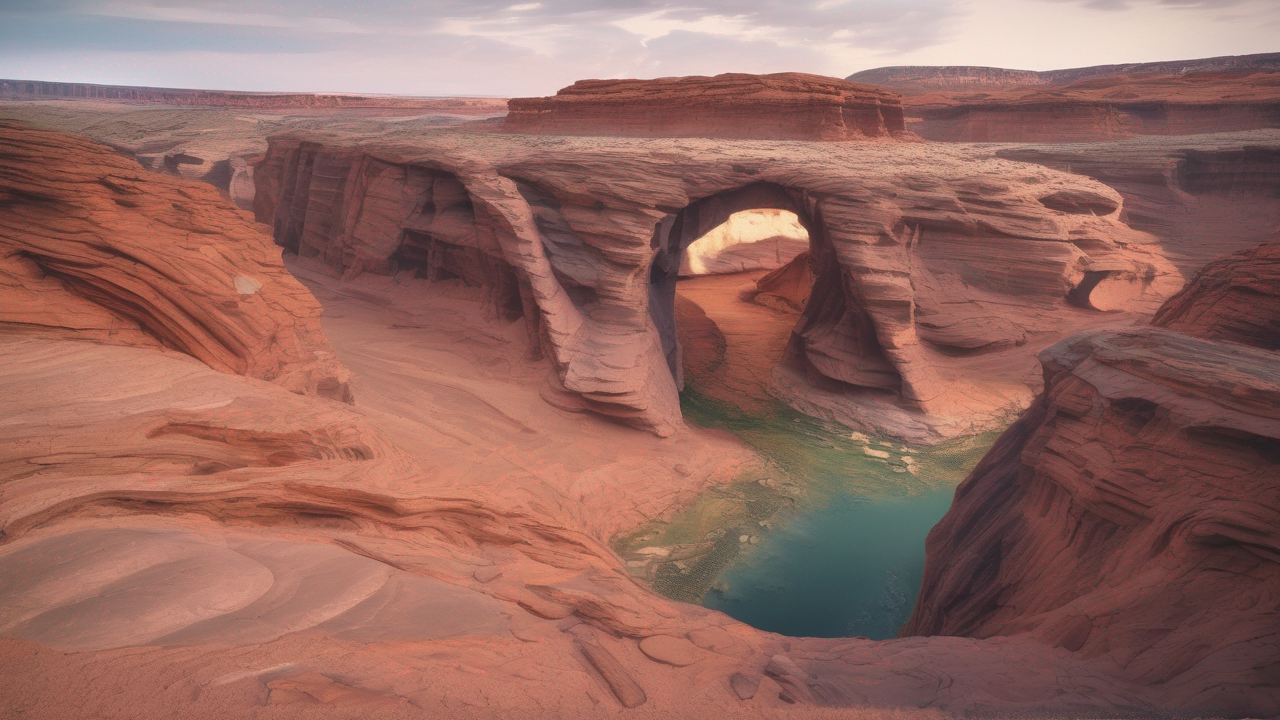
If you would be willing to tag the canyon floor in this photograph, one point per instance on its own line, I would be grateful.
(181, 542)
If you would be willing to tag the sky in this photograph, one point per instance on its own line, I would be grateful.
(473, 47)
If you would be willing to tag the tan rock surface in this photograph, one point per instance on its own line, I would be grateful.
(1102, 108)
(1236, 299)
(1129, 515)
(779, 106)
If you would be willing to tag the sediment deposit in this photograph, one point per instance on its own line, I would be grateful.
(176, 540)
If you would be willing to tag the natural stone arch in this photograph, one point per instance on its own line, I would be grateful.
(918, 270)
(835, 340)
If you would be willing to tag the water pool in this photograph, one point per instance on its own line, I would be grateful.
(824, 539)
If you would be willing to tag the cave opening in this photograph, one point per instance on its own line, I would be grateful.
(827, 539)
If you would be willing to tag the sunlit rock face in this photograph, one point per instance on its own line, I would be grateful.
(1136, 495)
(748, 240)
(780, 106)
(93, 247)
(922, 259)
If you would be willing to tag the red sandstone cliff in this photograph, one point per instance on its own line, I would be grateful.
(780, 106)
(919, 79)
(1101, 108)
(1133, 512)
(93, 247)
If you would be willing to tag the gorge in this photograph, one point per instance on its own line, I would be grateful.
(484, 406)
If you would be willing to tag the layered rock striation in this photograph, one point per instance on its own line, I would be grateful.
(1236, 299)
(923, 260)
(914, 80)
(733, 105)
(93, 247)
(1131, 513)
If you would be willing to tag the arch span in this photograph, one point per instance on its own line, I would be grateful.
(936, 284)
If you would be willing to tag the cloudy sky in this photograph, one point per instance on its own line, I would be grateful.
(474, 47)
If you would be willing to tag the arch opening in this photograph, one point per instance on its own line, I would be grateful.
(760, 292)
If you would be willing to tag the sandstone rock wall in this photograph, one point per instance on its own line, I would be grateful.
(1131, 513)
(1236, 299)
(914, 270)
(93, 247)
(1103, 108)
(732, 105)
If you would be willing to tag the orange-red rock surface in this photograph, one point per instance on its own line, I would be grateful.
(1236, 299)
(94, 247)
(733, 105)
(1132, 514)
(1102, 108)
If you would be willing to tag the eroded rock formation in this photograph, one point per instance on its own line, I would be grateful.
(733, 105)
(1131, 513)
(919, 79)
(916, 271)
(93, 247)
(1101, 108)
(1236, 299)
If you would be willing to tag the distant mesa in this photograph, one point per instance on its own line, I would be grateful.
(781, 106)
(980, 104)
(918, 79)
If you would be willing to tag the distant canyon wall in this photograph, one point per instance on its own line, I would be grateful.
(1066, 121)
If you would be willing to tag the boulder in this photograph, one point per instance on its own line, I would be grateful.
(1131, 514)
(1235, 299)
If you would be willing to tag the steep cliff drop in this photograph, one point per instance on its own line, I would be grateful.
(1131, 513)
(782, 106)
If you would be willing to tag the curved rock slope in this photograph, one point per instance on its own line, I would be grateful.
(93, 247)
(795, 106)
(1236, 299)
(937, 275)
(916, 79)
(1132, 514)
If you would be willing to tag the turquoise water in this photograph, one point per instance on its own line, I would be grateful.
(846, 557)
(849, 566)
